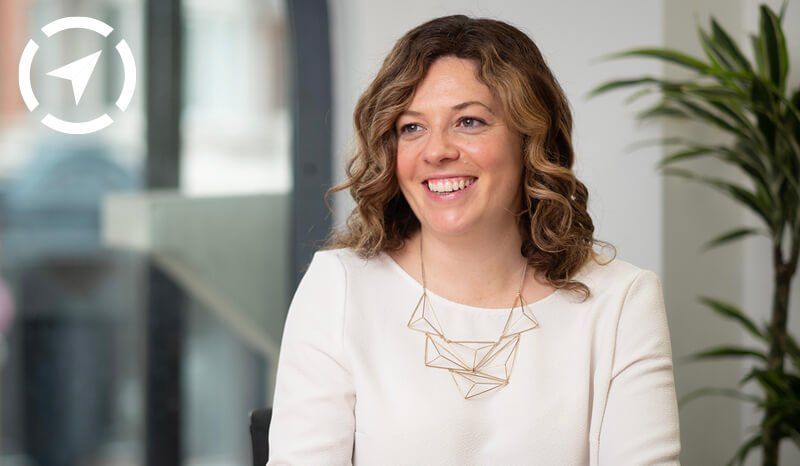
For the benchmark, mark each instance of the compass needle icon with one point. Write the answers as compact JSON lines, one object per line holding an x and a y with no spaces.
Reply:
{"x":78,"y":73}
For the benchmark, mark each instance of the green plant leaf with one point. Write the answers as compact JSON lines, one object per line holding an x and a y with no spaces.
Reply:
{"x":717,"y":92}
{"x":726,"y":352}
{"x":794,"y":381}
{"x":785,"y":406}
{"x":793,"y":434}
{"x":707,"y":115}
{"x":639,"y":94}
{"x":777,"y":56}
{"x":743,"y":157}
{"x":680,"y":87}
{"x":764,"y":106}
{"x":775,"y":419}
{"x":772,"y":382}
{"x":620,"y":84}
{"x":792,"y":349}
{"x":670,"y":141}
{"x":751,"y":375}
{"x":670,"y":55}
{"x":728,"y":46}
{"x":782,"y":13}
{"x":741,"y":454}
{"x":685,"y":154}
{"x":719,"y":391}
{"x":734,"y":112}
{"x":794,"y":123}
{"x":791,"y":179}
{"x":709,"y":47}
{"x":731,"y":235}
{"x":750,"y":163}
{"x":759,"y":54}
{"x":662,"y":109}
{"x":729,"y":311}
{"x":777,"y":96}
{"x":736,"y":192}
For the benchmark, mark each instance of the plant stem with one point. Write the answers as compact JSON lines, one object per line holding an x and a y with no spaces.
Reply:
{"x":777,"y":349}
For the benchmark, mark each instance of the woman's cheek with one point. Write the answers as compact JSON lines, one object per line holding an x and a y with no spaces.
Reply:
{"x":405,"y":167}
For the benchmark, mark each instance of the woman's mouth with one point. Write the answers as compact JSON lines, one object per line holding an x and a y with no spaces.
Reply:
{"x":449,"y":189}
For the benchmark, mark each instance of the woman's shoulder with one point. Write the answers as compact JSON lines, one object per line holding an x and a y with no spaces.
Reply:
{"x":350,"y":254}
{"x":344,"y":255}
{"x":611,"y":274}
{"x":345,"y":268}
{"x":349,"y":259}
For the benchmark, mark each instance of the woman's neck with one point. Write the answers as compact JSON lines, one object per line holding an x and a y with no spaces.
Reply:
{"x":484,"y":272}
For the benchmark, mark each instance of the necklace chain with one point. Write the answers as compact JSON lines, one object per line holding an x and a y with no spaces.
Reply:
{"x":424,"y":284}
{"x":477,"y":366}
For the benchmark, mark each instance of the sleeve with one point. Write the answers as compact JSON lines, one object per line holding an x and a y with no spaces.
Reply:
{"x":313,"y":421}
{"x":640,"y":421}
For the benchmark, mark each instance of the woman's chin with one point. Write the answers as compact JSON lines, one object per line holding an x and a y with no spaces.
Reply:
{"x":448,"y":227}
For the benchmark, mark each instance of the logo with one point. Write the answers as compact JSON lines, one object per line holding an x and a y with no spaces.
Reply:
{"x":78,"y":74}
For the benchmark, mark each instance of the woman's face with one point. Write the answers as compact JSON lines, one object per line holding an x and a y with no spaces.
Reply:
{"x":458,"y":162}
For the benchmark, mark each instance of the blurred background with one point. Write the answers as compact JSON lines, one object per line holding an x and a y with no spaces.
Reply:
{"x":145,"y":270}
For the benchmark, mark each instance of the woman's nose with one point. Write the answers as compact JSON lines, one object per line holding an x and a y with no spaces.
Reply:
{"x":439,"y":147}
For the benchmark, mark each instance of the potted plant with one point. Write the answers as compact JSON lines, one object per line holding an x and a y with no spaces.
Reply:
{"x":752,"y":102}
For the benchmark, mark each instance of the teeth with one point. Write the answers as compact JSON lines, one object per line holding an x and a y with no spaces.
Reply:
{"x":451,"y":185}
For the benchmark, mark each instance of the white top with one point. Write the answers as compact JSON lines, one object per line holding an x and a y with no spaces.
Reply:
{"x":592,"y":384}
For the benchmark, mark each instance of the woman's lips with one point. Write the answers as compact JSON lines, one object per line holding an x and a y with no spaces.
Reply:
{"x":448,"y":197}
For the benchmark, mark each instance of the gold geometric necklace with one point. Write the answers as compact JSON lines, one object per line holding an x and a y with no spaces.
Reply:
{"x":478,"y":367}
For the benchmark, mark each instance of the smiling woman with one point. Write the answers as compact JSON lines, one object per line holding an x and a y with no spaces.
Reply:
{"x":464,"y":144}
{"x":451,"y":139}
{"x":447,"y":99}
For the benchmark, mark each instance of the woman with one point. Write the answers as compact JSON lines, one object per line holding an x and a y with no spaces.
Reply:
{"x":395,"y":353}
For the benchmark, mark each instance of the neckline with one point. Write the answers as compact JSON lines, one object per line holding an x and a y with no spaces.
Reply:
{"x":402,"y":272}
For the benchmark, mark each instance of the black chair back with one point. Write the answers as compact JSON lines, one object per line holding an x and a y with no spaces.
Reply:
{"x":259,"y":435}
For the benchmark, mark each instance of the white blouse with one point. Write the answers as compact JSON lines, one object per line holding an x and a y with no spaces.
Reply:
{"x":591,"y":384}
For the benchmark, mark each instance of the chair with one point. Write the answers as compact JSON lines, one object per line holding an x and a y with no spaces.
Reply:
{"x":259,"y":432}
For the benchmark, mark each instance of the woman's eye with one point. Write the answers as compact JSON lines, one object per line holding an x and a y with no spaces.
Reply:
{"x":470,"y":122}
{"x":409,"y":128}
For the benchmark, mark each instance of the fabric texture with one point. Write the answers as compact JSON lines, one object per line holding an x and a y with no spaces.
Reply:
{"x":593,"y":384}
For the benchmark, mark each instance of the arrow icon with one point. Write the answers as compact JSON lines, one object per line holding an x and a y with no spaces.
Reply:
{"x":78,"y":73}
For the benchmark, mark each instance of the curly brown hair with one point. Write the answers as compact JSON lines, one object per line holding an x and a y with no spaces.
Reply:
{"x":555,"y":226}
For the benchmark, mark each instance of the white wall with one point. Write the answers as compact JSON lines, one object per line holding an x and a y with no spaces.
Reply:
{"x":693,"y":214}
{"x":655,"y":223}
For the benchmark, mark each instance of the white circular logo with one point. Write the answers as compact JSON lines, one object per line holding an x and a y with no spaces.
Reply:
{"x":78,"y":73}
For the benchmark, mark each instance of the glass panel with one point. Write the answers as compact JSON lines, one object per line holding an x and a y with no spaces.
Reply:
{"x":71,"y":366}
{"x":224,"y":381}
{"x":71,"y":308}
{"x":236,"y":119}
{"x":236,"y":145}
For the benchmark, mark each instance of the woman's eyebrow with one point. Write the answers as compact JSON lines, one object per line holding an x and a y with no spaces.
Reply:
{"x":464,"y":105}
{"x":460,"y":106}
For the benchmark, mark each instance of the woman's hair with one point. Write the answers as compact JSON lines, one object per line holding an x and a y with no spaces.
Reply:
{"x":555,"y":226}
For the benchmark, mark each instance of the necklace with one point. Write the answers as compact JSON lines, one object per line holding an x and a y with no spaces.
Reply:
{"x":477,"y":366}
